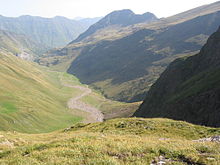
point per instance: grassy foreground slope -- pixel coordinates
(119, 141)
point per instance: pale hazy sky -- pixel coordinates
(94, 8)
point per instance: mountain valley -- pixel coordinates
(124, 89)
(125, 64)
(34, 99)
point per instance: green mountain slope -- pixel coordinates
(119, 141)
(31, 98)
(189, 89)
(50, 32)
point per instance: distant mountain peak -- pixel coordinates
(124, 17)
(78, 18)
(147, 14)
(25, 16)
(60, 18)
(124, 11)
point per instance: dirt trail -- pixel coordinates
(76, 103)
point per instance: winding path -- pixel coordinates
(76, 103)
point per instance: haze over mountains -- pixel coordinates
(46, 33)
(20, 45)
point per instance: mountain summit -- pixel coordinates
(121, 18)
(126, 17)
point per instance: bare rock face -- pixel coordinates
(189, 89)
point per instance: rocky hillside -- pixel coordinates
(51, 32)
(189, 89)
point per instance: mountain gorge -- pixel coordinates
(189, 88)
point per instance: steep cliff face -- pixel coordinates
(189, 89)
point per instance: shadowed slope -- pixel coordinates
(189, 89)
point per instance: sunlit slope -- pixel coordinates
(31, 98)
